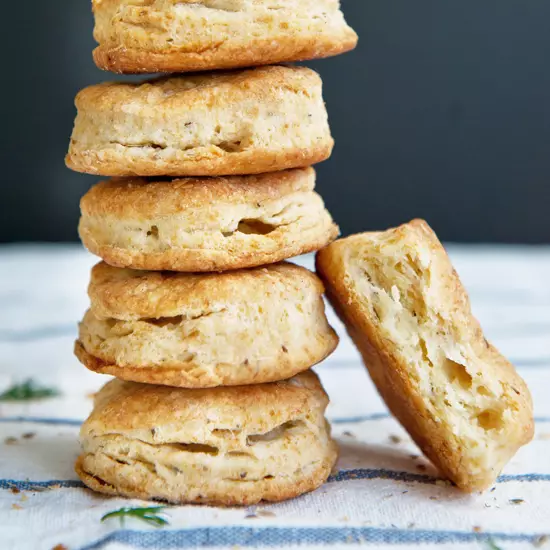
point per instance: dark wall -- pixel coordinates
(442, 112)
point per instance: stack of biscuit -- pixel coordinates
(209, 332)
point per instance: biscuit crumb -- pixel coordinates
(29, 435)
(516, 501)
(267, 514)
(395, 439)
(541, 541)
(10, 440)
(16, 507)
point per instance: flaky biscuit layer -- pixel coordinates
(220, 446)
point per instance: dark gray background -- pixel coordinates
(442, 112)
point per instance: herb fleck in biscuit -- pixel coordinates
(204, 330)
(151, 36)
(232, 123)
(228, 446)
(205, 224)
(409, 315)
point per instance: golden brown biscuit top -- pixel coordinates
(128, 294)
(165, 413)
(127, 197)
(196, 90)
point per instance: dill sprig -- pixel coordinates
(492, 545)
(148, 515)
(27, 391)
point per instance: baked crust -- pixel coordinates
(408, 313)
(225, 446)
(151, 36)
(205, 224)
(204, 330)
(227, 123)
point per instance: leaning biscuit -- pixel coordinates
(409, 315)
(241, 122)
(204, 330)
(205, 224)
(154, 36)
(228, 446)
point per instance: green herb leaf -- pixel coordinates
(148, 515)
(27, 391)
(491, 545)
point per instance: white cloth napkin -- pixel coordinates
(382, 493)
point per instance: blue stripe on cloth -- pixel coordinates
(279, 537)
(380, 473)
(530, 363)
(336, 420)
(384, 416)
(343, 475)
(39, 420)
(29, 485)
(38, 333)
(359, 419)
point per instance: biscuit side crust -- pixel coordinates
(262, 442)
(208, 35)
(241, 122)
(193, 330)
(212, 224)
(135, 482)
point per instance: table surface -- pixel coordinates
(381, 494)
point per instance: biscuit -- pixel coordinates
(225, 446)
(232, 123)
(404, 306)
(205, 224)
(204, 330)
(159, 36)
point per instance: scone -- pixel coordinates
(205, 224)
(155, 36)
(204, 330)
(408, 313)
(240, 122)
(228, 446)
